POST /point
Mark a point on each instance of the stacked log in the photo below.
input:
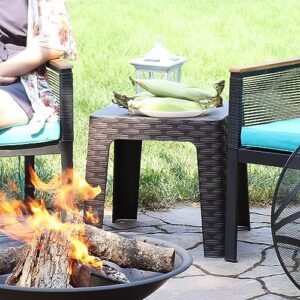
(45, 262)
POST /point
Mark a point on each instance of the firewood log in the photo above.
(10, 257)
(85, 276)
(127, 252)
(45, 261)
(46, 264)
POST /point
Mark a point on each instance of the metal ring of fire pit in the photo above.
(140, 288)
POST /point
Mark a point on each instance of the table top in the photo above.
(213, 114)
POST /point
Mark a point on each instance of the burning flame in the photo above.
(80, 253)
(22, 220)
(91, 216)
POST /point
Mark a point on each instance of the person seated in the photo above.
(32, 32)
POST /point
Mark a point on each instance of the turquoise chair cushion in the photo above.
(20, 135)
(281, 135)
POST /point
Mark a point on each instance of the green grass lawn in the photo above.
(213, 35)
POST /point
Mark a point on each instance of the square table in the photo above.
(207, 133)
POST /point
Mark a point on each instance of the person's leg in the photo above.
(11, 113)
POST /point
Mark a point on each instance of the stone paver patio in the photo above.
(257, 275)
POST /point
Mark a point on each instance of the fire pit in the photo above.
(59, 254)
(141, 285)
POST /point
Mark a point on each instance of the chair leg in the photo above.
(28, 186)
(243, 206)
(231, 206)
(126, 178)
(67, 161)
(67, 156)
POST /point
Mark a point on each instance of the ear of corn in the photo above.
(167, 104)
(142, 96)
(122, 100)
(167, 88)
(170, 97)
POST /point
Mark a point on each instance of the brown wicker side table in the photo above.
(207, 133)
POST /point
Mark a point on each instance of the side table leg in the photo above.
(127, 162)
(211, 166)
(232, 205)
(96, 170)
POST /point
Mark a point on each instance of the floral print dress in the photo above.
(48, 26)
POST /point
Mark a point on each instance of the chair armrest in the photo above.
(265, 66)
(60, 78)
(59, 65)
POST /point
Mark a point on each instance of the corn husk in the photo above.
(167, 88)
(169, 97)
(167, 106)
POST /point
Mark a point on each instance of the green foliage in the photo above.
(262, 181)
(214, 35)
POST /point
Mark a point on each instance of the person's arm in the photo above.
(27, 60)
(7, 80)
(54, 33)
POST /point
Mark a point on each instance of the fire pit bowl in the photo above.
(143, 283)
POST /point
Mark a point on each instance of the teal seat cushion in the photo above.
(20, 135)
(281, 135)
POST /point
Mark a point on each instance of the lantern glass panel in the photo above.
(168, 69)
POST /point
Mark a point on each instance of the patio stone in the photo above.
(262, 271)
(184, 240)
(191, 272)
(256, 235)
(281, 285)
(180, 228)
(271, 297)
(208, 288)
(190, 216)
(260, 225)
(249, 255)
(256, 275)
(140, 229)
(271, 258)
(260, 217)
(142, 221)
(259, 214)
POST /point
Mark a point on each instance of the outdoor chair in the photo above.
(54, 138)
(263, 128)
